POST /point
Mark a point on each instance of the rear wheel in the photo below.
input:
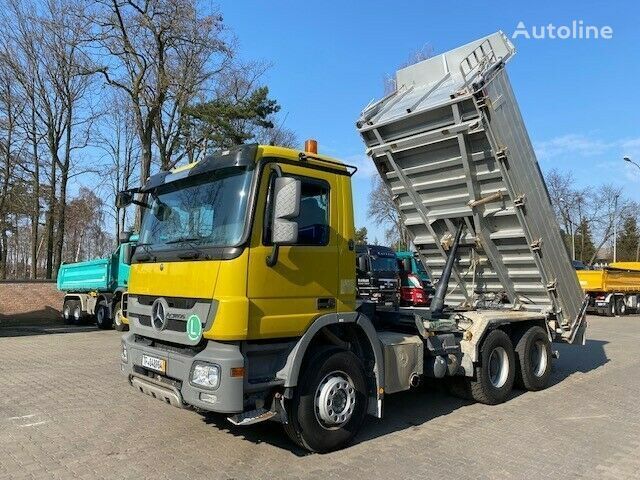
(117, 318)
(330, 403)
(103, 320)
(67, 311)
(533, 355)
(76, 313)
(495, 374)
(621, 306)
(609, 310)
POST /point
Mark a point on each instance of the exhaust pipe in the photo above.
(437, 304)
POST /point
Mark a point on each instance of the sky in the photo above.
(579, 98)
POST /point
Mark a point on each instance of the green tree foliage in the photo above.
(628, 240)
(361, 236)
(226, 122)
(584, 242)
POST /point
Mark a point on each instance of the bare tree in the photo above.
(383, 210)
(117, 138)
(142, 45)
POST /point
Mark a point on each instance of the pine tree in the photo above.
(627, 249)
(584, 242)
(361, 236)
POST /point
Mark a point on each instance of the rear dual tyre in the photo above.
(330, 403)
(72, 312)
(103, 319)
(533, 356)
(494, 376)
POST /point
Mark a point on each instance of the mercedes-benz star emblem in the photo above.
(159, 314)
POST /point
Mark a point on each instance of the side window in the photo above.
(313, 220)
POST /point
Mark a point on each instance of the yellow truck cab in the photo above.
(215, 323)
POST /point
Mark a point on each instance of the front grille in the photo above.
(174, 302)
(172, 324)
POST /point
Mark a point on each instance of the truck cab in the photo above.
(377, 275)
(415, 286)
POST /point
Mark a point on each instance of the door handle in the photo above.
(325, 303)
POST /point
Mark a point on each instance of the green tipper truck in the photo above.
(94, 289)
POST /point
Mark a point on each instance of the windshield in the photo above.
(420, 267)
(207, 212)
(384, 264)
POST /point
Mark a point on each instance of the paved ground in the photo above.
(66, 412)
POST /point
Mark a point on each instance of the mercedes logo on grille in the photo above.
(159, 314)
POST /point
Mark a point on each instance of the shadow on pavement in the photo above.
(50, 329)
(577, 359)
(413, 408)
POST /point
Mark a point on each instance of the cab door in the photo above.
(284, 299)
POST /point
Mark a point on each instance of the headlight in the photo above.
(205, 375)
(123, 355)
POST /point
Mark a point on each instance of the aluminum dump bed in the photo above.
(451, 145)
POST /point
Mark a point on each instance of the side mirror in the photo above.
(124, 199)
(361, 262)
(126, 253)
(124, 236)
(286, 208)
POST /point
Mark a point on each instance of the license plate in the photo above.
(157, 364)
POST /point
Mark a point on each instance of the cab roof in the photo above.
(242, 155)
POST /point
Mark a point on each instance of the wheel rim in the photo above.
(100, 315)
(117, 318)
(539, 358)
(498, 367)
(76, 313)
(335, 400)
(66, 313)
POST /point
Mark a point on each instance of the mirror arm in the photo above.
(140, 203)
(272, 258)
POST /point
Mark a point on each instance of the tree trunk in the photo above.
(35, 213)
(64, 177)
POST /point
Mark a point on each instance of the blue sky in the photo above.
(580, 98)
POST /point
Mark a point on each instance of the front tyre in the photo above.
(117, 318)
(533, 354)
(495, 374)
(330, 403)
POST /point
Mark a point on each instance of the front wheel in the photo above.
(330, 403)
(118, 324)
(495, 374)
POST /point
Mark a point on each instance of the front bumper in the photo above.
(175, 387)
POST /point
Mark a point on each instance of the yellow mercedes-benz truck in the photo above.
(242, 291)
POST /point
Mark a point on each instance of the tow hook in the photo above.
(555, 354)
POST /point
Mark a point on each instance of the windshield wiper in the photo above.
(191, 241)
(182, 239)
(148, 254)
